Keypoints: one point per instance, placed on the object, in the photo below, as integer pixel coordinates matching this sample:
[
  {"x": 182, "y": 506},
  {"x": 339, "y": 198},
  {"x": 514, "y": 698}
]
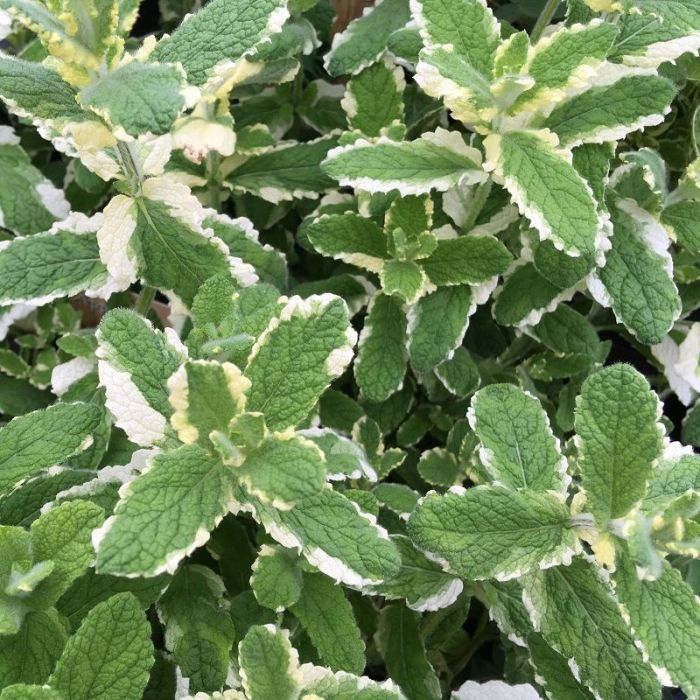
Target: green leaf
[
  {"x": 31, "y": 89},
  {"x": 351, "y": 238},
  {"x": 269, "y": 664},
  {"x": 365, "y": 38},
  {"x": 276, "y": 579},
  {"x": 209, "y": 44},
  {"x": 420, "y": 581},
  {"x": 286, "y": 172},
  {"x": 335, "y": 536},
  {"x": 322, "y": 682},
  {"x": 558, "y": 62},
  {"x": 404, "y": 654},
  {"x": 618, "y": 440},
  {"x": 466, "y": 92},
  {"x": 518, "y": 449},
  {"x": 381, "y": 355},
  {"x": 173, "y": 250},
  {"x": 30, "y": 655},
  {"x": 198, "y": 629},
  {"x": 671, "y": 478},
  {"x": 29, "y": 692},
  {"x": 205, "y": 396},
  {"x": 526, "y": 296},
  {"x": 531, "y": 166},
  {"x": 29, "y": 203},
  {"x": 494, "y": 532},
  {"x": 468, "y": 26},
  {"x": 135, "y": 363},
  {"x": 466, "y": 260},
  {"x": 63, "y": 535},
  {"x": 242, "y": 240},
  {"x": 437, "y": 160},
  {"x": 637, "y": 280},
  {"x": 165, "y": 513},
  {"x": 137, "y": 98},
  {"x": 610, "y": 113},
  {"x": 286, "y": 383},
  {"x": 41, "y": 439},
  {"x": 345, "y": 459},
  {"x": 682, "y": 218},
  {"x": 665, "y": 615},
  {"x": 404, "y": 278},
  {"x": 567, "y": 332},
  {"x": 436, "y": 326},
  {"x": 460, "y": 374},
  {"x": 283, "y": 470},
  {"x": 553, "y": 671},
  {"x": 327, "y": 616},
  {"x": 575, "y": 612},
  {"x": 374, "y": 98},
  {"x": 91, "y": 589},
  {"x": 44, "y": 267},
  {"x": 110, "y": 656}
]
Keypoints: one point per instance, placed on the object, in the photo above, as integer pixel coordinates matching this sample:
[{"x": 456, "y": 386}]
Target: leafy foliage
[{"x": 349, "y": 362}]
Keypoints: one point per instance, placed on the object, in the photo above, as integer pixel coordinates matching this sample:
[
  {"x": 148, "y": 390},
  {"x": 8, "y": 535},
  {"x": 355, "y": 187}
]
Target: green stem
[
  {"x": 477, "y": 204},
  {"x": 144, "y": 301},
  {"x": 130, "y": 165},
  {"x": 213, "y": 180},
  {"x": 544, "y": 19}
]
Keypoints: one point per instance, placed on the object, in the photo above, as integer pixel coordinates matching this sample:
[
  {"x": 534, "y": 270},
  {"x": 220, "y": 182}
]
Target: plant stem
[
  {"x": 477, "y": 204},
  {"x": 544, "y": 19},
  {"x": 144, "y": 301},
  {"x": 130, "y": 165}
]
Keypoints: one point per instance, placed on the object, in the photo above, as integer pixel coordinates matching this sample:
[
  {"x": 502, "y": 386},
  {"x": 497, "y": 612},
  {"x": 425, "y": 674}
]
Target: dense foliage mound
[{"x": 356, "y": 364}]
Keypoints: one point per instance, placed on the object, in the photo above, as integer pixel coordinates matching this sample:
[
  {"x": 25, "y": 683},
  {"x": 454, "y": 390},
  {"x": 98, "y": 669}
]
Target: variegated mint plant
[{"x": 349, "y": 351}]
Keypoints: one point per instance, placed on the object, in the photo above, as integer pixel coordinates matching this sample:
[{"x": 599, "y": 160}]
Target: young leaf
[
  {"x": 285, "y": 382},
  {"x": 205, "y": 397},
  {"x": 530, "y": 165},
  {"x": 322, "y": 682},
  {"x": 519, "y": 449},
  {"x": 618, "y": 440},
  {"x": 404, "y": 654},
  {"x": 135, "y": 363},
  {"x": 437, "y": 160},
  {"x": 165, "y": 513},
  {"x": 41, "y": 439},
  {"x": 493, "y": 532},
  {"x": 327, "y": 617},
  {"x": 381, "y": 355},
  {"x": 269, "y": 664},
  {"x": 574, "y": 610},
  {"x": 365, "y": 39},
  {"x": 110, "y": 656}
]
